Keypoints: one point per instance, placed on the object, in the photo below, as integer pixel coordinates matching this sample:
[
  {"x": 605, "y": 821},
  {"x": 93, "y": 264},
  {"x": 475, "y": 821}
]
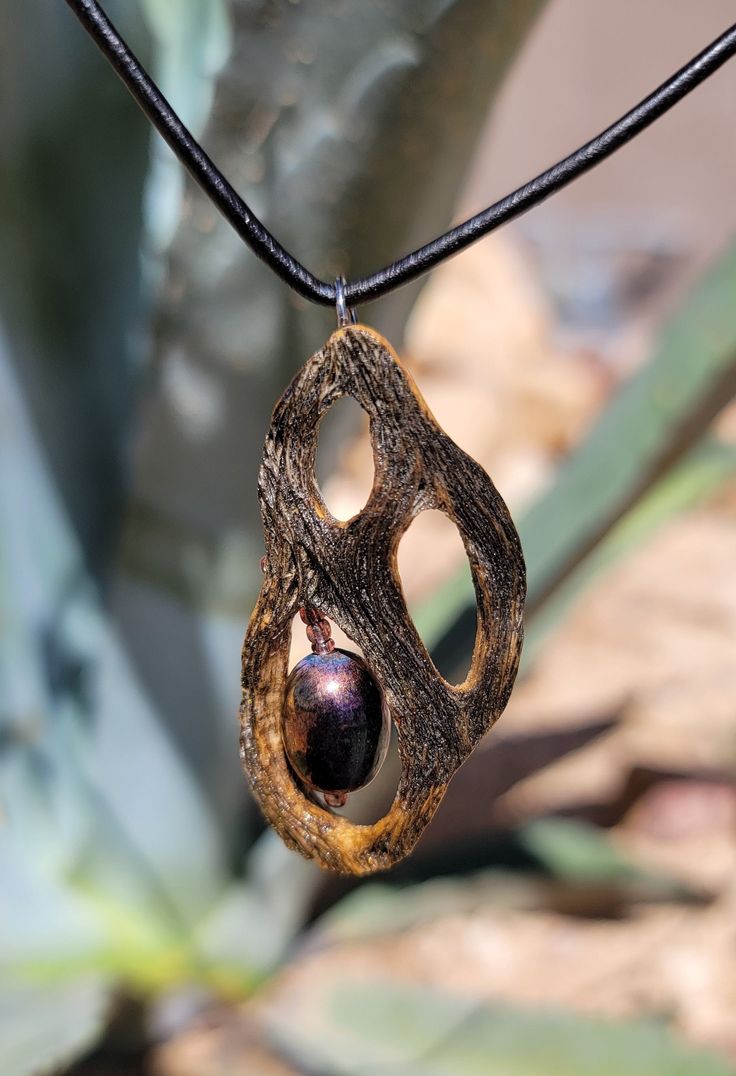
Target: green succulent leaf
[
  {"x": 95, "y": 795},
  {"x": 194, "y": 41},
  {"x": 577, "y": 852},
  {"x": 44, "y": 1026},
  {"x": 701, "y": 473},
  {"x": 357, "y": 1028}
]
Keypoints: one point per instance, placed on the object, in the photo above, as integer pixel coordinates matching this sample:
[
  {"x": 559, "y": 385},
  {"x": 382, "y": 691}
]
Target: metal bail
[{"x": 345, "y": 314}]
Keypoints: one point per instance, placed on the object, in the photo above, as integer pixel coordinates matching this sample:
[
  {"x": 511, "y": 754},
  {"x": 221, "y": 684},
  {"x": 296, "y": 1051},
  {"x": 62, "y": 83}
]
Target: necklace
[{"x": 313, "y": 735}]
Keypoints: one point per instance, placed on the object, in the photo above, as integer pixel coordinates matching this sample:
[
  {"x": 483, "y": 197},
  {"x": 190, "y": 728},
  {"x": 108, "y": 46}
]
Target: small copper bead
[{"x": 335, "y": 723}]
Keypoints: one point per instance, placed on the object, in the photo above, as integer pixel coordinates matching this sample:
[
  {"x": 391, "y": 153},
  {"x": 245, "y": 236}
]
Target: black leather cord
[{"x": 262, "y": 243}]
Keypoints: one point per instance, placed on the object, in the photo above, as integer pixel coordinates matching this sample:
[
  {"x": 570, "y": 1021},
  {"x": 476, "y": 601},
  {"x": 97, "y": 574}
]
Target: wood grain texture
[{"x": 348, "y": 570}]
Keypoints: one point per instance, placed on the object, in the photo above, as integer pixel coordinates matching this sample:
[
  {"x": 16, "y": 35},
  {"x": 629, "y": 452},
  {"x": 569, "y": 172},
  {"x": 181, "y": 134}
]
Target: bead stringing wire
[{"x": 285, "y": 265}]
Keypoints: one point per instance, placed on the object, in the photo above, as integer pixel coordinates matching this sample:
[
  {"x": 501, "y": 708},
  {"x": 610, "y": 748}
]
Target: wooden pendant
[{"x": 348, "y": 571}]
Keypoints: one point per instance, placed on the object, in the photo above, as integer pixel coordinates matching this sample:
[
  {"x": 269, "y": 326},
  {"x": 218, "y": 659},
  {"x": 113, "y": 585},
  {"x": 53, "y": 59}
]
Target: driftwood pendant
[{"x": 347, "y": 570}]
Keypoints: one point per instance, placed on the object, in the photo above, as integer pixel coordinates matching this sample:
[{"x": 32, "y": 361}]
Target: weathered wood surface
[{"x": 348, "y": 570}]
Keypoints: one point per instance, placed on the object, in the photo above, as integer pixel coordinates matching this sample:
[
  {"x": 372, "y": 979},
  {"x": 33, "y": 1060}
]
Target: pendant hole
[
  {"x": 438, "y": 587},
  {"x": 344, "y": 468}
]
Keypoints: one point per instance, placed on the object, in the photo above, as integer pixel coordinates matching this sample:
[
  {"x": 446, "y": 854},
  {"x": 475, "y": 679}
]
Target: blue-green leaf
[
  {"x": 358, "y": 1028},
  {"x": 48, "y": 1026}
]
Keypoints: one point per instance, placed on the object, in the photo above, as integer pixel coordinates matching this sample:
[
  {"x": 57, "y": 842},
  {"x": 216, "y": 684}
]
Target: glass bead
[{"x": 335, "y": 723}]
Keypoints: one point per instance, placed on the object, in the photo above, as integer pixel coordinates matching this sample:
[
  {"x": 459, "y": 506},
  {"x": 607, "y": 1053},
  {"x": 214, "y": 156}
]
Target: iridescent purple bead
[{"x": 335, "y": 723}]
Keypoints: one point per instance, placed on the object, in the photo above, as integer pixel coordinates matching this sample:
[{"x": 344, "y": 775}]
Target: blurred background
[{"x": 572, "y": 907}]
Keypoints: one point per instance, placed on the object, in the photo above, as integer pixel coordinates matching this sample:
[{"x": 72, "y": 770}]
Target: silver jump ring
[{"x": 345, "y": 314}]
